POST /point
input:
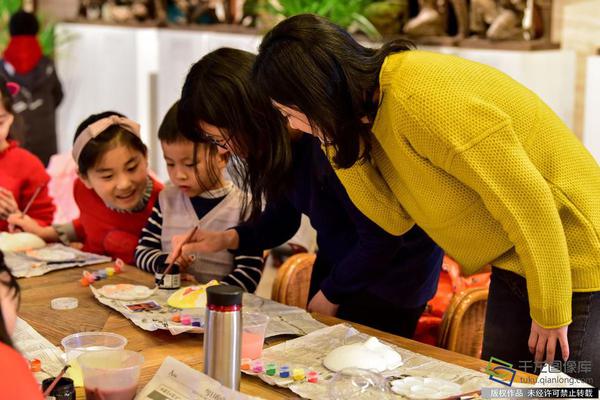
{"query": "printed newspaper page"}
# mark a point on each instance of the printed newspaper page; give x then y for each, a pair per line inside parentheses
(50, 258)
(308, 352)
(177, 381)
(31, 344)
(154, 313)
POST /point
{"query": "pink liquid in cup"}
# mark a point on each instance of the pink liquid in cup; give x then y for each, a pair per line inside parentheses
(127, 393)
(252, 344)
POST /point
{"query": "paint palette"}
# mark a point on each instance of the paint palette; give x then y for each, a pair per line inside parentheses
(125, 291)
(51, 255)
(418, 388)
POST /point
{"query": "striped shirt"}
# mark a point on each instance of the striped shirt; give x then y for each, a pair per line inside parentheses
(149, 256)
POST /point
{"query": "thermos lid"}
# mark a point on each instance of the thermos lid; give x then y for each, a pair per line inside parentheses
(224, 295)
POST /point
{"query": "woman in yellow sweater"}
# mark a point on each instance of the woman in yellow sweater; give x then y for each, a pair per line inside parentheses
(474, 158)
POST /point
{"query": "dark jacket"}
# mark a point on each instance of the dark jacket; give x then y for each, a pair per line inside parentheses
(355, 255)
(36, 103)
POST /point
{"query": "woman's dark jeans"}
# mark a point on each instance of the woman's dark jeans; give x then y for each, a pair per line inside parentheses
(508, 324)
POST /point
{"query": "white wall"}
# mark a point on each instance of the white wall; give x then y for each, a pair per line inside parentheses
(140, 71)
(591, 127)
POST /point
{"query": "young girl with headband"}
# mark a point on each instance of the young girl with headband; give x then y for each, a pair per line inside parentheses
(23, 178)
(114, 192)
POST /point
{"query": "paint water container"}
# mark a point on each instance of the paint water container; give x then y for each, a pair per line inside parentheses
(172, 280)
(223, 335)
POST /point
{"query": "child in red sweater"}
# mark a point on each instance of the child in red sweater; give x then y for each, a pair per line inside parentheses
(114, 192)
(21, 173)
(17, 382)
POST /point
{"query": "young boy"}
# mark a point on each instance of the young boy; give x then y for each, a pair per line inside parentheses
(198, 195)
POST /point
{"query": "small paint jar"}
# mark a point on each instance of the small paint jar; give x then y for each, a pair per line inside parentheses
(312, 376)
(170, 281)
(298, 374)
(284, 371)
(110, 271)
(186, 319)
(271, 369)
(245, 364)
(257, 366)
(64, 389)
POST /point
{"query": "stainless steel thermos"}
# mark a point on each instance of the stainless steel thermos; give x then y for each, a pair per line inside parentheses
(223, 334)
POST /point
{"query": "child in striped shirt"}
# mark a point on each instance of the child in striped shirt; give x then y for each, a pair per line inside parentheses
(198, 195)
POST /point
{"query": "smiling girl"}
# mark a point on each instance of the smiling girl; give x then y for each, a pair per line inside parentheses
(114, 191)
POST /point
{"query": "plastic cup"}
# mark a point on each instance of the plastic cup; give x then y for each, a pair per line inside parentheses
(79, 343)
(111, 374)
(254, 327)
(356, 383)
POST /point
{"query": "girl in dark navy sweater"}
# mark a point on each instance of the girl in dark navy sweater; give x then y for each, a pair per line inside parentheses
(361, 273)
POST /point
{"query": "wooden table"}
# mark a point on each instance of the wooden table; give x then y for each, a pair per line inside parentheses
(155, 346)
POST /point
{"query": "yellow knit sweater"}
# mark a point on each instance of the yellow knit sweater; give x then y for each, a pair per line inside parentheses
(488, 171)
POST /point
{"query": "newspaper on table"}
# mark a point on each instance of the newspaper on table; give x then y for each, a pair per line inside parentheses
(308, 352)
(50, 258)
(177, 381)
(153, 313)
(31, 344)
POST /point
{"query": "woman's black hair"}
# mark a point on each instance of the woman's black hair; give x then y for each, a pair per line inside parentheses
(310, 64)
(111, 137)
(13, 289)
(218, 91)
(169, 132)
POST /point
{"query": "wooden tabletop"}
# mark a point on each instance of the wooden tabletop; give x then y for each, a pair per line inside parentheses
(155, 346)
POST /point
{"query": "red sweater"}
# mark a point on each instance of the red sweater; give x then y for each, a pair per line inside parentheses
(22, 173)
(17, 380)
(106, 231)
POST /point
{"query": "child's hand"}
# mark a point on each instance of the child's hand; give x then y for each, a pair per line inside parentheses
(210, 242)
(8, 204)
(26, 223)
(182, 261)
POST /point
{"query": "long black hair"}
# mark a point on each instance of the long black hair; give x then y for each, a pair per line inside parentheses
(8, 280)
(219, 91)
(310, 64)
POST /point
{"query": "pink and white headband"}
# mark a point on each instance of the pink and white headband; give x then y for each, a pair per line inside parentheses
(100, 126)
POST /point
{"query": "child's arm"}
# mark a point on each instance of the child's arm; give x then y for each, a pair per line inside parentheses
(28, 224)
(148, 253)
(42, 209)
(247, 272)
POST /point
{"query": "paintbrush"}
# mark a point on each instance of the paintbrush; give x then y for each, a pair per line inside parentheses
(55, 381)
(176, 255)
(32, 199)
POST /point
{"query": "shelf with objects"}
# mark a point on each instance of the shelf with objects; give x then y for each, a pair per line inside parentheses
(488, 24)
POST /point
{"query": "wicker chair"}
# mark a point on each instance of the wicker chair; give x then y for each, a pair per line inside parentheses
(462, 324)
(292, 282)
